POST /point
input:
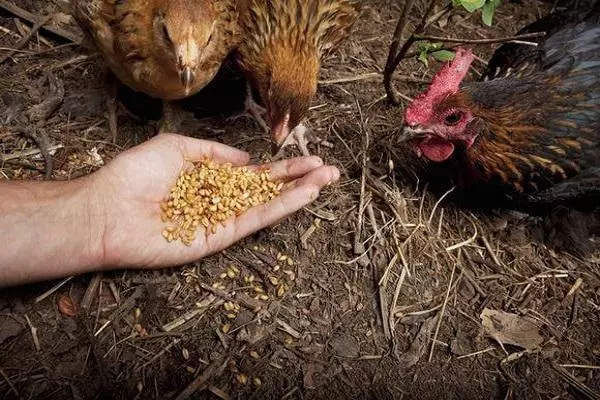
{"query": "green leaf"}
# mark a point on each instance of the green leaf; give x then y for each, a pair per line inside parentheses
(423, 58)
(443, 55)
(428, 47)
(472, 5)
(487, 13)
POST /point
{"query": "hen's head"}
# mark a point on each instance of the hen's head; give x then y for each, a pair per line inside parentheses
(283, 44)
(441, 118)
(287, 89)
(183, 31)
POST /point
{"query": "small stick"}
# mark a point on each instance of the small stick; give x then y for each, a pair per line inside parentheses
(467, 274)
(158, 355)
(10, 384)
(386, 273)
(177, 322)
(441, 316)
(464, 243)
(244, 300)
(33, 19)
(476, 353)
(580, 366)
(36, 340)
(373, 219)
(384, 309)
(42, 142)
(284, 326)
(582, 388)
(91, 291)
(36, 27)
(573, 289)
(114, 291)
(201, 382)
(481, 41)
(362, 77)
(403, 273)
(28, 153)
(389, 65)
(127, 304)
(54, 288)
(437, 203)
(395, 56)
(218, 392)
(102, 328)
(308, 233)
(358, 245)
(488, 247)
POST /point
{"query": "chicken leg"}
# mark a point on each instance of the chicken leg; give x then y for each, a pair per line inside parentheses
(112, 105)
(253, 110)
(172, 116)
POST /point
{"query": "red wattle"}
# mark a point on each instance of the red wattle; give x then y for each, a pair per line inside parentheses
(437, 149)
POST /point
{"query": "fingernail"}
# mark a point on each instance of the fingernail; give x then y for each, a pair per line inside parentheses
(335, 176)
(317, 160)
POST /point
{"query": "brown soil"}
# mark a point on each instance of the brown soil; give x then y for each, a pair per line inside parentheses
(336, 332)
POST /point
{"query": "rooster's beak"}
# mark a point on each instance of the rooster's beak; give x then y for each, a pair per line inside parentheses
(409, 133)
(187, 77)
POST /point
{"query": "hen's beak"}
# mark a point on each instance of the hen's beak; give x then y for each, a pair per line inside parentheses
(280, 132)
(187, 77)
(409, 133)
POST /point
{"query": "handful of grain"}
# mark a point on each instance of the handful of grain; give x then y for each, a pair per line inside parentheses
(208, 194)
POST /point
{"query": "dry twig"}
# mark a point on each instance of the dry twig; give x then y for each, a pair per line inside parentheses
(201, 382)
(41, 22)
(33, 19)
(443, 310)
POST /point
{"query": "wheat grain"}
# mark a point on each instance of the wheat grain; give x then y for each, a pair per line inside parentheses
(208, 194)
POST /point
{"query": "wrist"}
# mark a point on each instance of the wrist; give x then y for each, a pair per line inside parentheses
(96, 207)
(55, 224)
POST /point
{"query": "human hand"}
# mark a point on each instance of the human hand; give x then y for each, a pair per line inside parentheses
(131, 187)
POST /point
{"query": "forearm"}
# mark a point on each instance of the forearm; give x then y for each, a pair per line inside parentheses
(48, 230)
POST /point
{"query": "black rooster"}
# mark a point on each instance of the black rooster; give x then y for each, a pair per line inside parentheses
(527, 135)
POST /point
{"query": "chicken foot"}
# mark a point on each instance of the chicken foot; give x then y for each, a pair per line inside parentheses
(301, 137)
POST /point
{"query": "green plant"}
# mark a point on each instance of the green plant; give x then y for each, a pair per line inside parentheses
(488, 7)
(434, 50)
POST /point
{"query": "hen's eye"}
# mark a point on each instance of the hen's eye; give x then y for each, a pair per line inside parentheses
(453, 119)
(166, 34)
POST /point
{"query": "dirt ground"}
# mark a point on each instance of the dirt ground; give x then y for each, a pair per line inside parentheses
(386, 294)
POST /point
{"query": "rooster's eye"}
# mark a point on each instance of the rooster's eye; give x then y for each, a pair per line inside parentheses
(453, 119)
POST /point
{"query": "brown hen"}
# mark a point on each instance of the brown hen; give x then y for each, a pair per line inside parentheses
(168, 49)
(283, 43)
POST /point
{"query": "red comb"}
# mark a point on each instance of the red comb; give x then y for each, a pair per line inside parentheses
(445, 82)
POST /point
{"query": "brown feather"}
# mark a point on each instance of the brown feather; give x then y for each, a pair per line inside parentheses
(284, 41)
(125, 33)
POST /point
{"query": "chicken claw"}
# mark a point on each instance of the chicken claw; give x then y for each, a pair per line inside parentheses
(297, 137)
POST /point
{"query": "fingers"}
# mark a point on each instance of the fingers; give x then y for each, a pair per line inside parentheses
(286, 170)
(304, 192)
(197, 149)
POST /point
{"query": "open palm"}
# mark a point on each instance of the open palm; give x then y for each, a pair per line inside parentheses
(132, 186)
